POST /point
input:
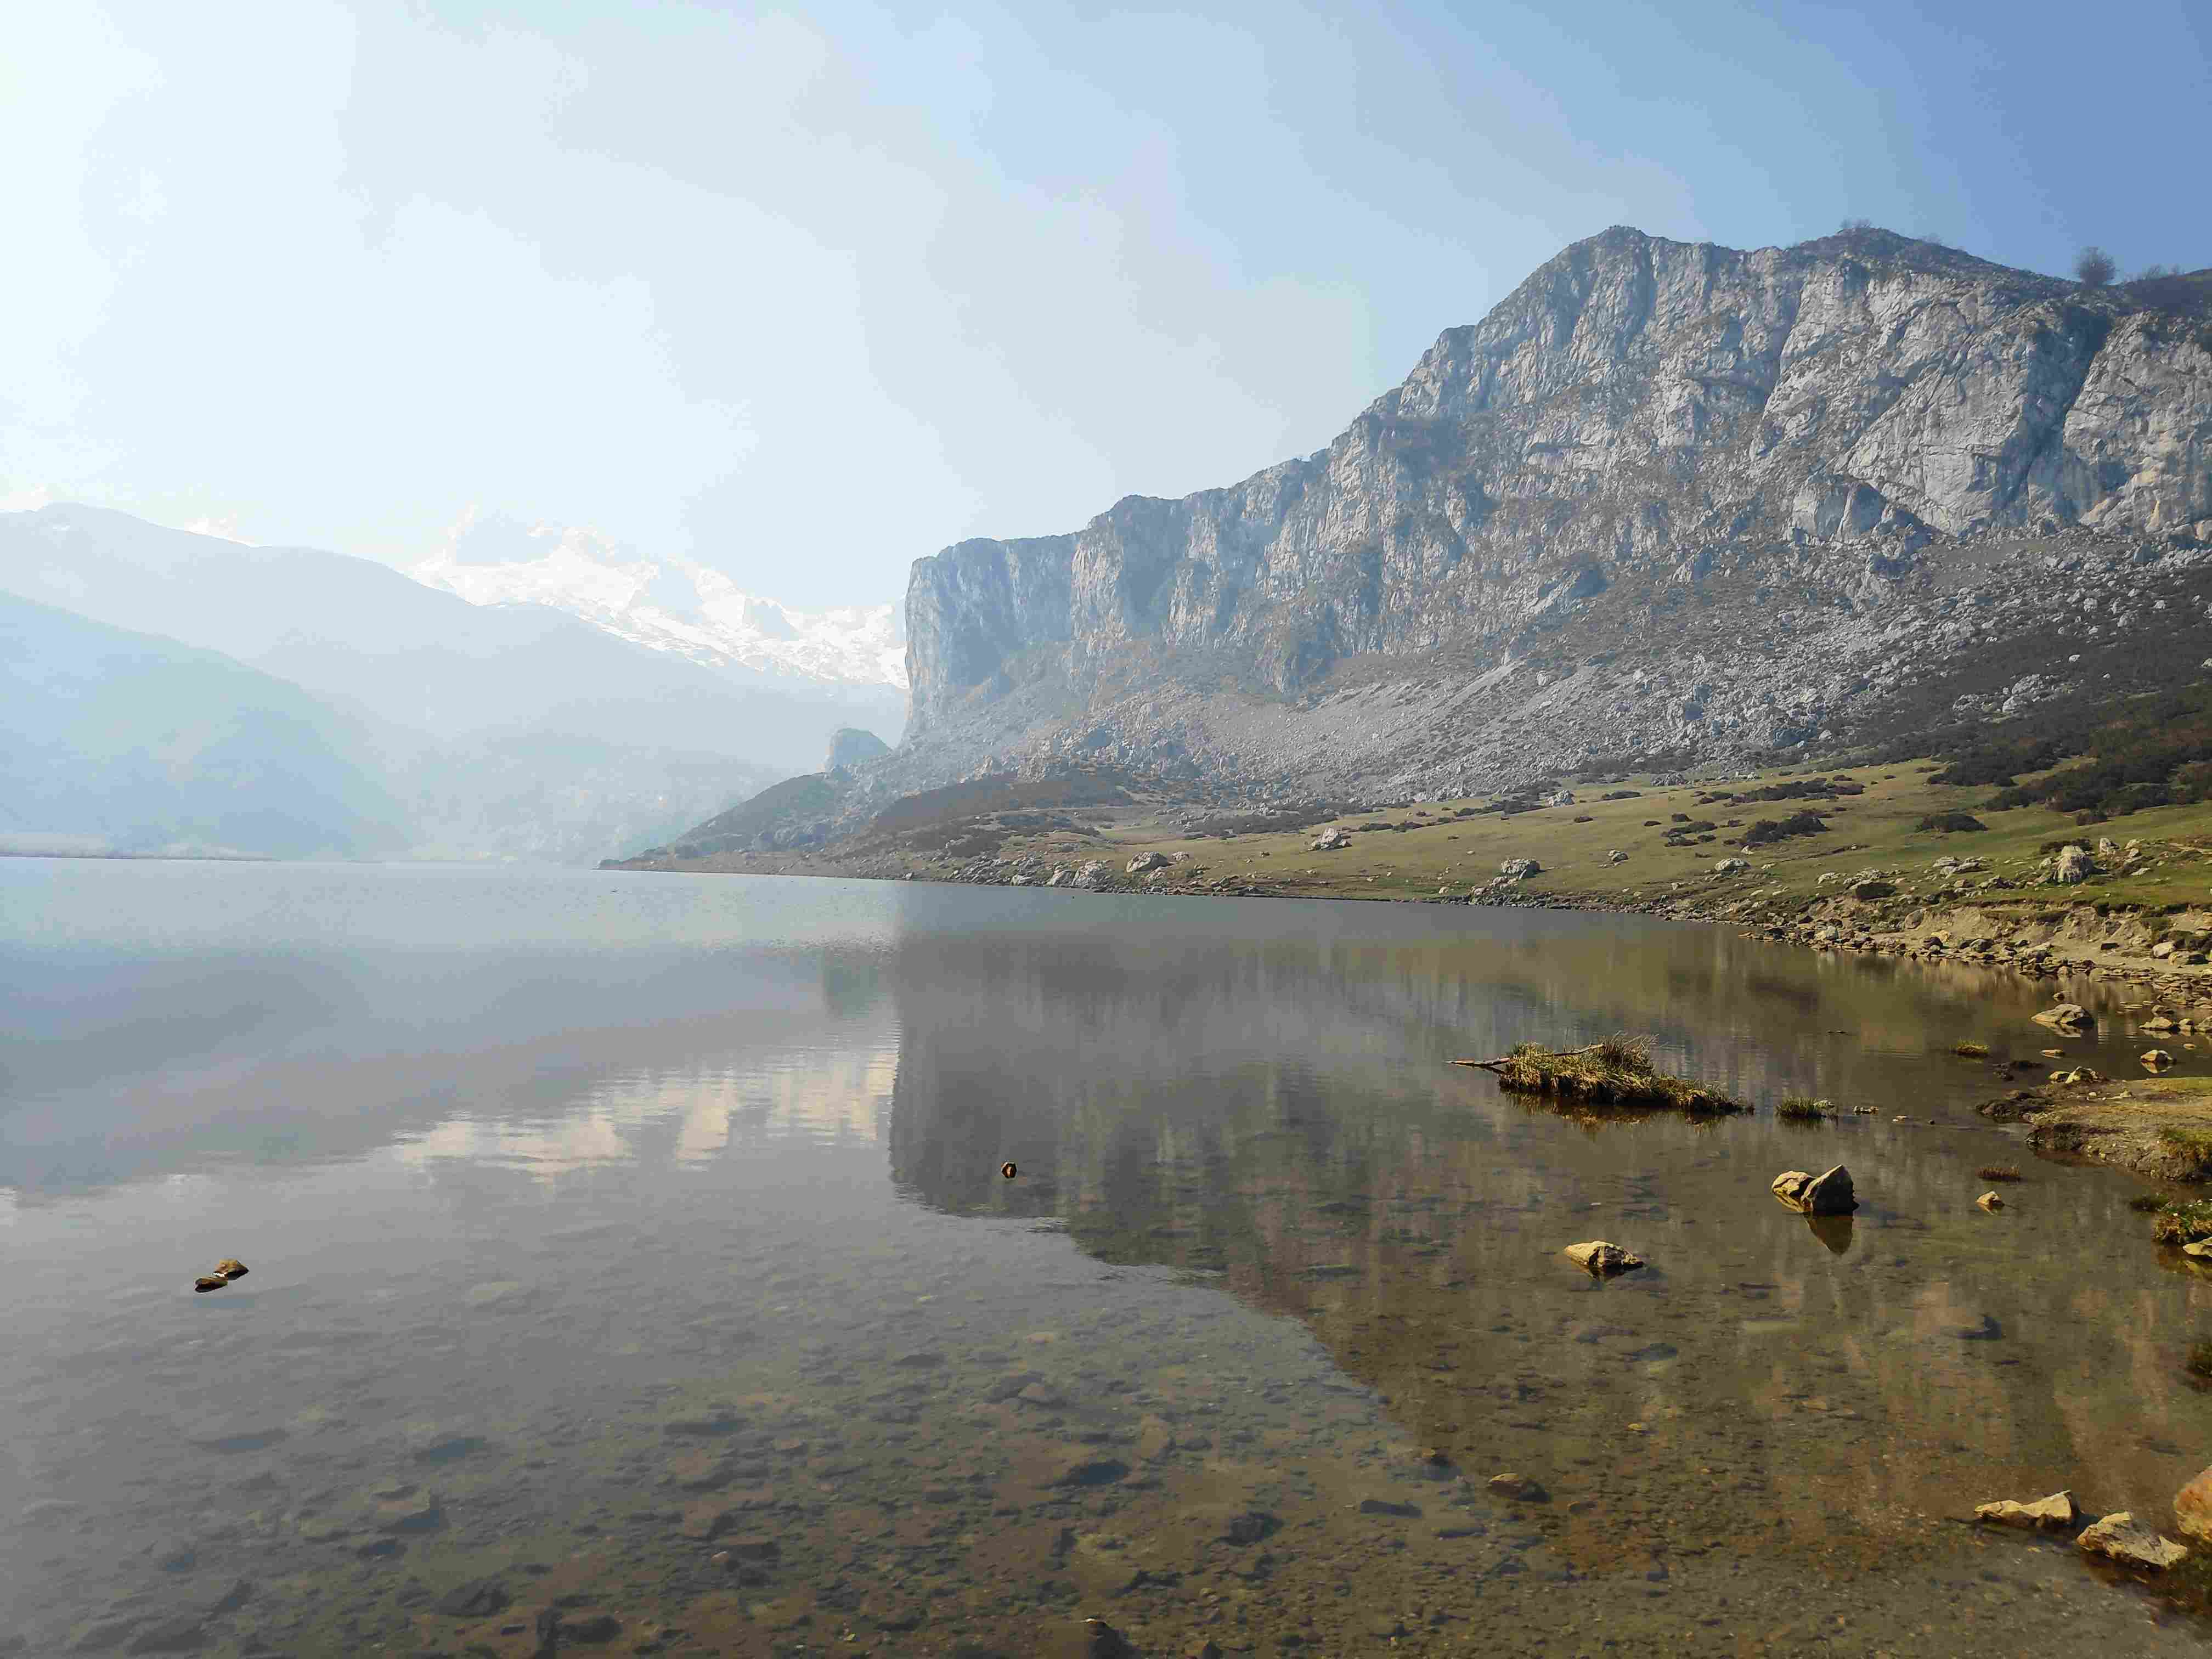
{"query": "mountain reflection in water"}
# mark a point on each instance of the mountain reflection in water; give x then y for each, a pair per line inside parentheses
(650, 1233)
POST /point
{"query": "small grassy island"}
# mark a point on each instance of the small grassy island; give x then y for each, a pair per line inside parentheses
(1615, 1072)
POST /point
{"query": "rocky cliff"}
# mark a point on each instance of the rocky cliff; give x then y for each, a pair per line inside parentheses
(1667, 500)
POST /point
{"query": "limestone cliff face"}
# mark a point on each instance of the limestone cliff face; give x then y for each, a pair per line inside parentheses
(1793, 439)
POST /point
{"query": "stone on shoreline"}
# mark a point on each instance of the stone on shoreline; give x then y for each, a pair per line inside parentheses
(2120, 1537)
(1603, 1258)
(2057, 1513)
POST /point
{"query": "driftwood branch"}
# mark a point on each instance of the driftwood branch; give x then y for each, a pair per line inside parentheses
(1503, 1060)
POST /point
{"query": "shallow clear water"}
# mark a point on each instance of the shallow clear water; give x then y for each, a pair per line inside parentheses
(633, 1250)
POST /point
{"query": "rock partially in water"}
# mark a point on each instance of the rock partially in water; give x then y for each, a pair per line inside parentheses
(2192, 1508)
(2067, 1017)
(1603, 1258)
(1828, 1192)
(2155, 1060)
(231, 1267)
(2057, 1513)
(210, 1282)
(2120, 1537)
(1990, 1201)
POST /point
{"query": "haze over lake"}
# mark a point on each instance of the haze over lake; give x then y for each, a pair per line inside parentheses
(630, 1259)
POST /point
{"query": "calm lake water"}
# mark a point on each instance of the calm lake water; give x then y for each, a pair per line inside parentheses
(633, 1271)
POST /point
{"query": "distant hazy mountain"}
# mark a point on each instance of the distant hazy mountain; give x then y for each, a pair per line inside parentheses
(671, 604)
(408, 653)
(117, 741)
(503, 730)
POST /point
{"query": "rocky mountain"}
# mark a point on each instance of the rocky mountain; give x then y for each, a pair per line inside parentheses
(675, 605)
(851, 746)
(1666, 503)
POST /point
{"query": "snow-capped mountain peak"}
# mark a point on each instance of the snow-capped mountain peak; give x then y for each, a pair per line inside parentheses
(669, 604)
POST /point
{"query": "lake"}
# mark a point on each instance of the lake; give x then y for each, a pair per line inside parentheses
(632, 1270)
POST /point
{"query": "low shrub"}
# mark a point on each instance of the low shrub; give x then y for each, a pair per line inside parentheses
(1950, 823)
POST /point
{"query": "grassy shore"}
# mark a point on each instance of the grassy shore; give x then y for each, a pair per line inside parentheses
(1453, 849)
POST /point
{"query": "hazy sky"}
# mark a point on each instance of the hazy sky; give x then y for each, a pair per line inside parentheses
(808, 294)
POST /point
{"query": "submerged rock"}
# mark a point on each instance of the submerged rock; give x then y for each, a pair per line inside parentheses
(2057, 1513)
(1603, 1258)
(2120, 1537)
(479, 1598)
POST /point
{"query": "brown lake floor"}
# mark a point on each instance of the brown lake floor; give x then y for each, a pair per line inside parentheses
(637, 1247)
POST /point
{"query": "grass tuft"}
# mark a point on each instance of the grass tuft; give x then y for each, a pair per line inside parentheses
(1803, 1108)
(1625, 1053)
(2198, 1361)
(1615, 1072)
(1971, 1050)
(1997, 1172)
(2183, 1224)
(2192, 1146)
(2146, 1203)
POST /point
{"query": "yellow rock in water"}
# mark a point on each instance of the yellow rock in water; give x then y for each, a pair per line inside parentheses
(209, 1283)
(231, 1267)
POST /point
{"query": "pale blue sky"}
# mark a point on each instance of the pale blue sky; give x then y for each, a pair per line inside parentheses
(808, 294)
